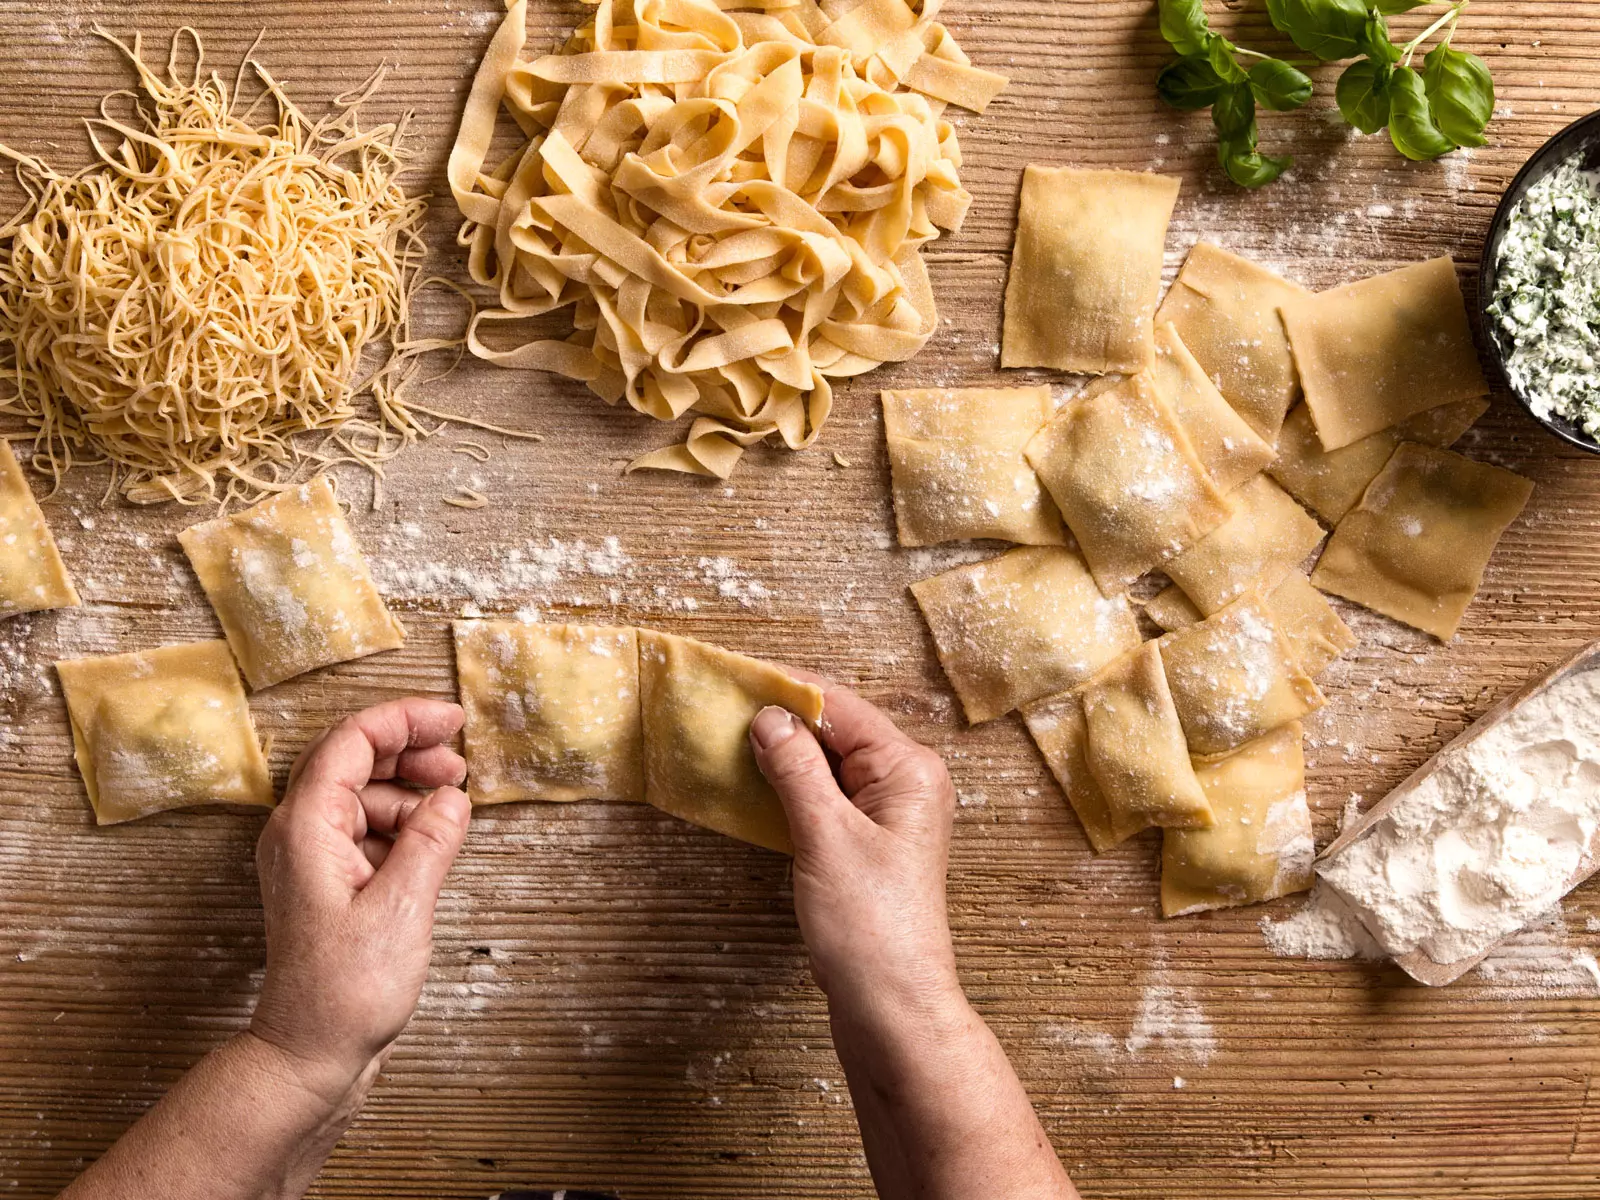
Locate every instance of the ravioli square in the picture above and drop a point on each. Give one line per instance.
(1417, 545)
(1315, 632)
(1224, 442)
(1086, 269)
(32, 575)
(552, 711)
(1126, 479)
(1057, 726)
(697, 703)
(1267, 536)
(1261, 846)
(1136, 749)
(290, 586)
(957, 468)
(1225, 308)
(1234, 678)
(1330, 482)
(1375, 352)
(1025, 625)
(163, 729)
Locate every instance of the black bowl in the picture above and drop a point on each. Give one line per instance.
(1582, 137)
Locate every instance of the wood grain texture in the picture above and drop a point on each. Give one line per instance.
(622, 1001)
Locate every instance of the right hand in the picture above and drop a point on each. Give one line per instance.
(870, 851)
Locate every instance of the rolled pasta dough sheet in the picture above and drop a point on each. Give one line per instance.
(697, 702)
(1225, 308)
(1416, 547)
(957, 468)
(290, 585)
(552, 711)
(1025, 625)
(32, 575)
(1375, 352)
(1086, 269)
(1261, 846)
(162, 729)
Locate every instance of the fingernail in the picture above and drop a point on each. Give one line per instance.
(772, 727)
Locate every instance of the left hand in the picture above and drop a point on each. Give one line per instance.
(351, 864)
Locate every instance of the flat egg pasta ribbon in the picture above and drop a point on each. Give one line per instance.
(728, 197)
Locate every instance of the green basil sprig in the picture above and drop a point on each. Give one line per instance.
(1445, 105)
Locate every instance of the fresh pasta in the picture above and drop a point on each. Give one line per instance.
(728, 197)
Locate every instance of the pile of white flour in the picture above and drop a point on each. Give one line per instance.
(1491, 839)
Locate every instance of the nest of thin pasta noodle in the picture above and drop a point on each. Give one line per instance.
(728, 196)
(199, 298)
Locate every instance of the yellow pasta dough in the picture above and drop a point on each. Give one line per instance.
(1235, 678)
(1027, 624)
(1267, 536)
(1416, 546)
(1372, 353)
(1226, 310)
(1125, 477)
(1315, 633)
(552, 711)
(1086, 269)
(1057, 727)
(1135, 748)
(290, 586)
(1223, 441)
(957, 468)
(698, 702)
(1261, 846)
(32, 575)
(162, 729)
(1330, 482)
(731, 205)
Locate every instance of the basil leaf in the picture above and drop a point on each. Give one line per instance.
(1398, 6)
(1375, 42)
(1330, 29)
(1278, 86)
(1234, 113)
(1460, 94)
(1189, 84)
(1363, 95)
(1247, 166)
(1224, 63)
(1411, 126)
(1184, 25)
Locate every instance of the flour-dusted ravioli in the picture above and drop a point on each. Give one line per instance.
(1136, 750)
(1373, 353)
(1314, 631)
(32, 575)
(1416, 547)
(957, 470)
(1025, 625)
(1330, 482)
(290, 586)
(1124, 475)
(1225, 309)
(161, 729)
(1261, 846)
(1057, 727)
(697, 703)
(552, 711)
(1223, 441)
(1086, 269)
(1234, 678)
(1267, 536)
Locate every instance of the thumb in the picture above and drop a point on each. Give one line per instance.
(428, 841)
(793, 762)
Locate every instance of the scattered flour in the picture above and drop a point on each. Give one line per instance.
(1172, 1017)
(1325, 927)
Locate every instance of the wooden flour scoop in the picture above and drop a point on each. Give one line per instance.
(1417, 964)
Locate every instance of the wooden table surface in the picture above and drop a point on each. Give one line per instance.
(623, 1001)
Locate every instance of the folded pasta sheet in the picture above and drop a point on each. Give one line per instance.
(32, 575)
(161, 729)
(730, 204)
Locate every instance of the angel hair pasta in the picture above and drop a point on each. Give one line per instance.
(729, 197)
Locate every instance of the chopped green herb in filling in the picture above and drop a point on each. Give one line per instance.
(1547, 296)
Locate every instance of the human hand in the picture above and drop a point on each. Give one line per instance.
(351, 863)
(870, 851)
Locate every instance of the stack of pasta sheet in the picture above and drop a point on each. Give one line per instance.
(1224, 423)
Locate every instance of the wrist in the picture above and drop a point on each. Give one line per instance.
(894, 1007)
(331, 1086)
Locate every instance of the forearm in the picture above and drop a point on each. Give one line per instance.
(246, 1123)
(942, 1114)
